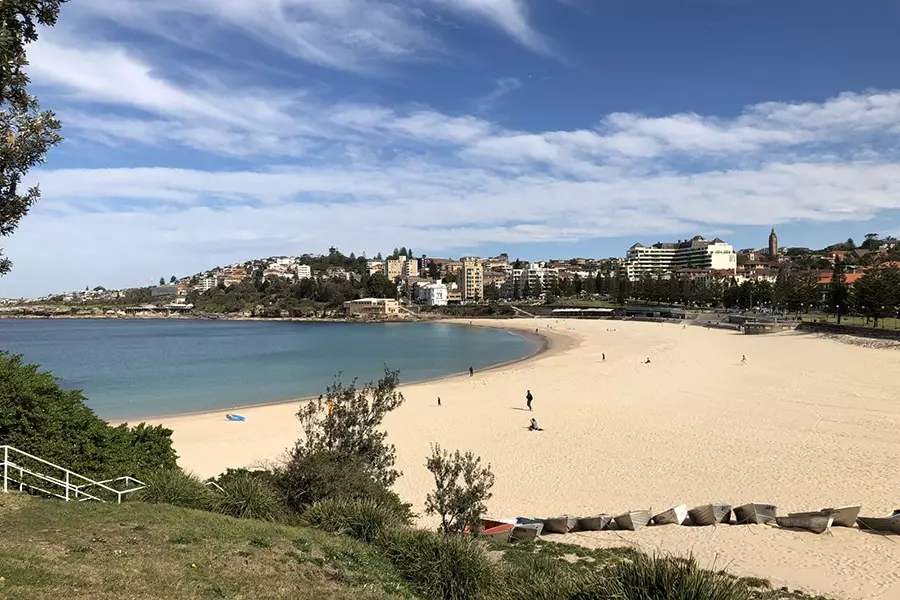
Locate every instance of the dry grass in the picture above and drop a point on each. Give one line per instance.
(74, 550)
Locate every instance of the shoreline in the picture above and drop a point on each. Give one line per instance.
(545, 346)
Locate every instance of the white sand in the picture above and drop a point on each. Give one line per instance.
(807, 423)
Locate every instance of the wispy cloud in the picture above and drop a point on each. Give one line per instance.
(511, 16)
(502, 87)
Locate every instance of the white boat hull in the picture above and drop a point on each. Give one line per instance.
(633, 520)
(677, 515)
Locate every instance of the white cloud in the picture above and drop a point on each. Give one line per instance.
(510, 16)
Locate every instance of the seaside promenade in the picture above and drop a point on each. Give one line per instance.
(806, 423)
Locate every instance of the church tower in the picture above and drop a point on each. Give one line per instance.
(773, 245)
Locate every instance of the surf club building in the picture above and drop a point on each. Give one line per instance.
(372, 307)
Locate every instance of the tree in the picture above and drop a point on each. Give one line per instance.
(491, 292)
(526, 288)
(26, 132)
(877, 294)
(172, 279)
(162, 281)
(39, 417)
(839, 291)
(434, 270)
(872, 242)
(461, 488)
(345, 420)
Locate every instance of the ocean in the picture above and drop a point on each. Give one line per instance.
(132, 369)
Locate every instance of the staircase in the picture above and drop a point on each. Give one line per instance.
(522, 312)
(26, 472)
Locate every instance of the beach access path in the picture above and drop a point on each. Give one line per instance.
(806, 423)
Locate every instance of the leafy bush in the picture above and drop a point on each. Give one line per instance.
(661, 578)
(39, 417)
(247, 496)
(440, 567)
(461, 488)
(345, 421)
(177, 488)
(364, 520)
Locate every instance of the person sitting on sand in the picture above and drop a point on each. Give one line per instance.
(647, 362)
(534, 426)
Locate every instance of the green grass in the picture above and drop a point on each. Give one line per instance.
(887, 323)
(52, 549)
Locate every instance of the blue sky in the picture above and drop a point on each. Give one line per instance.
(204, 132)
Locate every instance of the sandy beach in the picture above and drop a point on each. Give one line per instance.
(806, 423)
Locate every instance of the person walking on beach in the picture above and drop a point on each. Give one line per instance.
(528, 399)
(743, 359)
(604, 357)
(471, 371)
(439, 400)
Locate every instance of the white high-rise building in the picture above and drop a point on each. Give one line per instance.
(304, 272)
(535, 280)
(695, 253)
(471, 279)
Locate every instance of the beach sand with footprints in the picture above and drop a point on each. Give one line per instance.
(806, 423)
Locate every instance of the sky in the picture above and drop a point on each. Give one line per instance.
(205, 132)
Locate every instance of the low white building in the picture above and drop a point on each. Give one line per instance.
(433, 294)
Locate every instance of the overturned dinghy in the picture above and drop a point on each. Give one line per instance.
(633, 520)
(889, 524)
(710, 514)
(844, 516)
(755, 513)
(563, 524)
(595, 523)
(501, 533)
(815, 522)
(526, 531)
(677, 515)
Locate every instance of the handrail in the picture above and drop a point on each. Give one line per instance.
(66, 483)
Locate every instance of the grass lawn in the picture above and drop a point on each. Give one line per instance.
(887, 323)
(54, 549)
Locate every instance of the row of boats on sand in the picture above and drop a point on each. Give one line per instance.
(819, 521)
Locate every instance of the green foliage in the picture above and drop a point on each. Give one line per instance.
(26, 132)
(345, 421)
(247, 496)
(796, 290)
(39, 417)
(461, 488)
(537, 577)
(661, 578)
(175, 487)
(440, 567)
(838, 290)
(877, 294)
(364, 520)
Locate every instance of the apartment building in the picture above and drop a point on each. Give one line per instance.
(304, 272)
(535, 279)
(372, 307)
(395, 268)
(695, 253)
(208, 283)
(471, 279)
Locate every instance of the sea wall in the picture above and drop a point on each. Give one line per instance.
(866, 332)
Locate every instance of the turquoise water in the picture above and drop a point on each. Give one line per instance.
(133, 369)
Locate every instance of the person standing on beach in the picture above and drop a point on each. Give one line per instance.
(471, 371)
(528, 399)
(604, 357)
(439, 400)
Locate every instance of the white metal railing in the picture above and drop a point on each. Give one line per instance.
(20, 472)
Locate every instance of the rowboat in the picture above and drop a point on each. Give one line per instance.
(563, 524)
(526, 531)
(677, 515)
(844, 516)
(755, 513)
(633, 520)
(815, 522)
(710, 514)
(889, 524)
(595, 523)
(501, 533)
